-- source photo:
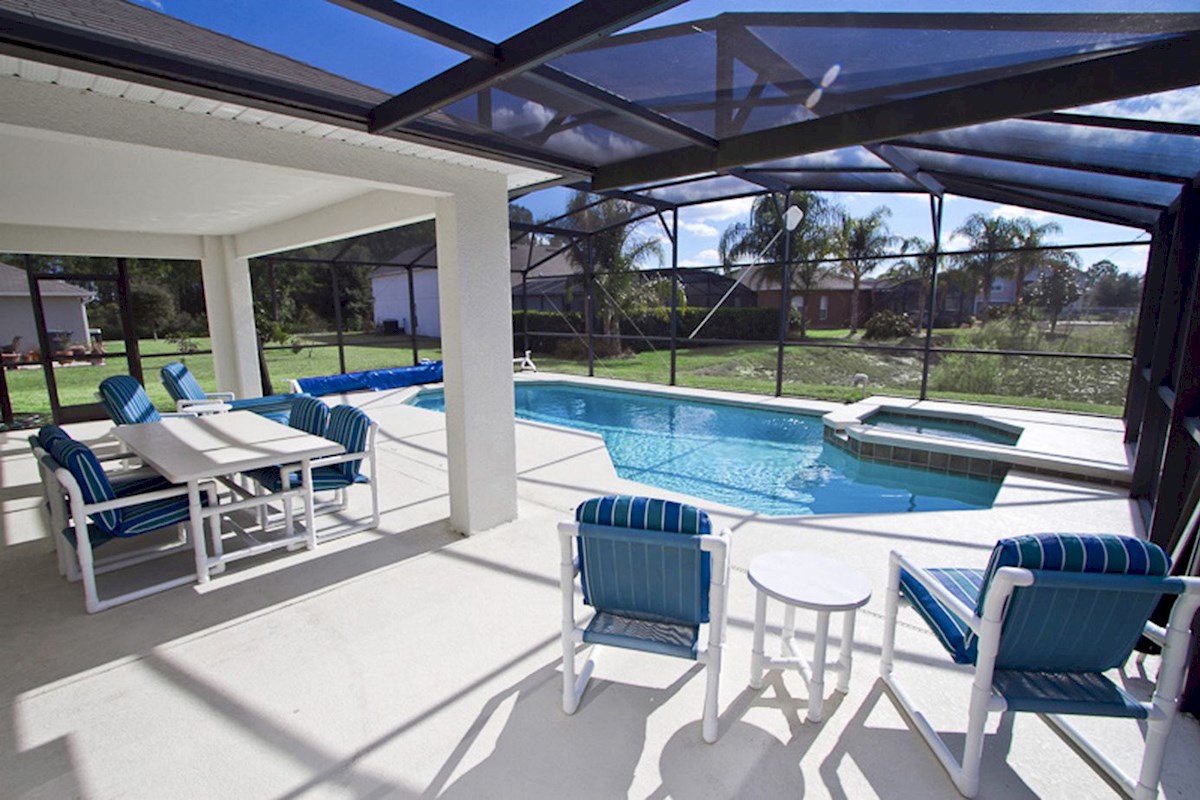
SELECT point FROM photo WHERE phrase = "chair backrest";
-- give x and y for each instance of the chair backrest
(48, 433)
(664, 578)
(78, 459)
(126, 401)
(180, 383)
(310, 415)
(349, 427)
(1091, 597)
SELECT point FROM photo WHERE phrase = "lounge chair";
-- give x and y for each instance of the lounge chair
(185, 390)
(1040, 627)
(630, 549)
(98, 514)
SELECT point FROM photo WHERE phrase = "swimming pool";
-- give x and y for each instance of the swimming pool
(772, 462)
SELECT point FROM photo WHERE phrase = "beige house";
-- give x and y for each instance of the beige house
(64, 304)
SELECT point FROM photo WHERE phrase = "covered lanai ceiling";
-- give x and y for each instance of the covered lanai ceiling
(612, 98)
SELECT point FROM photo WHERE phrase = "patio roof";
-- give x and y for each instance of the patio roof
(984, 105)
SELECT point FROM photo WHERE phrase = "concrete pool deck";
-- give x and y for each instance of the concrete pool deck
(411, 662)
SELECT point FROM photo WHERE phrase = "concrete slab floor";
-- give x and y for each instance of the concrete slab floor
(409, 661)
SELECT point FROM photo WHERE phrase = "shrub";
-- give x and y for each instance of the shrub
(968, 373)
(888, 325)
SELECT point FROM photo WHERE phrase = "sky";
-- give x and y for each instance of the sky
(349, 44)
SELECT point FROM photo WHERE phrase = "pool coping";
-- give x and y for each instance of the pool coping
(847, 427)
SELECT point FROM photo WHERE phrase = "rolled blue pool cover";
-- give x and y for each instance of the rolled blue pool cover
(372, 379)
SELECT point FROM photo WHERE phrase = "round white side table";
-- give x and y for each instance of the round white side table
(810, 581)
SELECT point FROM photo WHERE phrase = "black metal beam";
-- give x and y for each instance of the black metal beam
(596, 96)
(1119, 123)
(1163, 65)
(986, 190)
(1019, 185)
(425, 26)
(1116, 23)
(1041, 161)
(566, 30)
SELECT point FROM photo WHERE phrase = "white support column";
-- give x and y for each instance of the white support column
(230, 308)
(476, 308)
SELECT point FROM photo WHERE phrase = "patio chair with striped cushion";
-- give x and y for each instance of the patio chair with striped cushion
(98, 514)
(654, 572)
(1040, 626)
(125, 482)
(126, 401)
(355, 431)
(186, 391)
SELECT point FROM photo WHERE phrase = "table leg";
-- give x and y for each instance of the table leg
(310, 517)
(196, 523)
(847, 657)
(816, 686)
(788, 635)
(760, 629)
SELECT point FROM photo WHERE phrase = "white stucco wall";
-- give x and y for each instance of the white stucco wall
(391, 300)
(62, 314)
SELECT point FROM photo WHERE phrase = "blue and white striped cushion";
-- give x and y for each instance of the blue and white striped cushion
(48, 433)
(146, 517)
(1075, 552)
(324, 479)
(959, 640)
(126, 486)
(310, 415)
(348, 426)
(93, 482)
(126, 401)
(643, 513)
(180, 383)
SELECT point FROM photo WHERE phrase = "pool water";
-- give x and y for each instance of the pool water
(771, 462)
(942, 428)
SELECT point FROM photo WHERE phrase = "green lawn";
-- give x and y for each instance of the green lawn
(77, 384)
(824, 373)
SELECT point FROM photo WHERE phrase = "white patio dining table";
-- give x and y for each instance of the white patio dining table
(193, 450)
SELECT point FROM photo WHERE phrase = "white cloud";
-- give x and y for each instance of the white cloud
(1016, 212)
(721, 210)
(705, 258)
(699, 229)
(956, 241)
(1180, 105)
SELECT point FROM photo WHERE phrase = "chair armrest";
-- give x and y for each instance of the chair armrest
(207, 400)
(943, 596)
(326, 461)
(134, 500)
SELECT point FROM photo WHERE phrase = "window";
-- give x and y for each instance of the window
(823, 314)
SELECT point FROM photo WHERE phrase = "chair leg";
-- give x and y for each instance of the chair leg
(87, 569)
(710, 726)
(575, 684)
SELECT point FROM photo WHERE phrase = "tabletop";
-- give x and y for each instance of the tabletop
(809, 581)
(183, 449)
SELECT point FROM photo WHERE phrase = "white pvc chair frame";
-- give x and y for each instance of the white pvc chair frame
(574, 683)
(1174, 639)
(79, 511)
(341, 497)
(58, 517)
(209, 399)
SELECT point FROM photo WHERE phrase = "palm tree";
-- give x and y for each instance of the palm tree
(989, 236)
(810, 241)
(918, 266)
(861, 240)
(617, 251)
(1030, 238)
